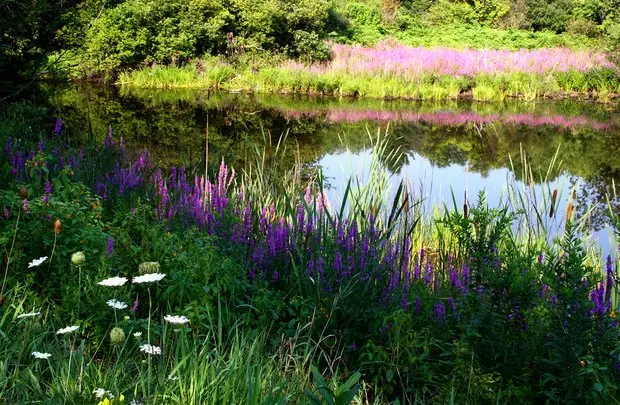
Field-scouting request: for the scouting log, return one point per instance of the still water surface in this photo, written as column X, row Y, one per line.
column 453, row 148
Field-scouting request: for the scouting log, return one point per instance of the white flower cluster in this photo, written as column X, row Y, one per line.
column 100, row 393
column 113, row 282
column 40, row 355
column 148, row 278
column 37, row 262
column 66, row 330
column 28, row 315
column 116, row 304
column 150, row 349
column 176, row 319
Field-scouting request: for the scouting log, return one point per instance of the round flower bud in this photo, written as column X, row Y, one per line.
column 117, row 336
column 148, row 268
column 78, row 258
column 23, row 193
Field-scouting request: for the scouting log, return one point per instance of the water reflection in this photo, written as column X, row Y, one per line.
column 437, row 140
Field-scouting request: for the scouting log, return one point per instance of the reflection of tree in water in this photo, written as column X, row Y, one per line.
column 596, row 193
column 240, row 128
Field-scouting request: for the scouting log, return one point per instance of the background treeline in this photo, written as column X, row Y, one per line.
column 98, row 38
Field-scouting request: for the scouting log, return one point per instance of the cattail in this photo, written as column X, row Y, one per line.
column 569, row 211
column 555, row 196
column 465, row 208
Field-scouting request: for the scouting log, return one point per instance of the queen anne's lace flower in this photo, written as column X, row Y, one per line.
column 148, row 278
column 176, row 319
column 100, row 393
column 39, row 355
column 37, row 262
column 137, row 335
column 68, row 329
column 116, row 304
column 28, row 315
column 113, row 282
column 150, row 349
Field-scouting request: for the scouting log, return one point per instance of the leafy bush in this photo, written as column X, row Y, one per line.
column 136, row 32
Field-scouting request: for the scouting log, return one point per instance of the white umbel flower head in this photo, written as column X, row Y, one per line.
column 116, row 304
column 66, row 330
column 137, row 335
column 78, row 258
column 37, row 262
column 148, row 278
column 42, row 356
column 113, row 282
column 28, row 315
column 100, row 393
column 176, row 319
column 150, row 349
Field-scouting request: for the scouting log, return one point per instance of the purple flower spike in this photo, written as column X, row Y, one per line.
column 110, row 247
column 58, row 127
column 26, row 206
column 440, row 311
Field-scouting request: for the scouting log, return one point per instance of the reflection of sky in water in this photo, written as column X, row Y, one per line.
column 437, row 184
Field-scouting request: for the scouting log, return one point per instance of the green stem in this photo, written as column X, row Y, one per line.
column 8, row 258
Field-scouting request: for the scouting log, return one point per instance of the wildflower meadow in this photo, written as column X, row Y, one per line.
column 127, row 282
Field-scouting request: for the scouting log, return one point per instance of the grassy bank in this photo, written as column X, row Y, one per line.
column 400, row 72
column 155, row 285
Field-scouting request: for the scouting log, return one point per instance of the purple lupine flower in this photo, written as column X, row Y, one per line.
column 597, row 297
column 319, row 267
column 25, row 206
column 440, row 311
column 609, row 280
column 7, row 213
column 276, row 276
column 135, row 306
column 544, row 289
column 403, row 301
column 337, row 264
column 58, row 127
column 47, row 190
column 451, row 303
column 465, row 277
column 428, row 274
column 540, row 258
column 108, row 139
column 110, row 247
column 416, row 272
column 310, row 267
column 480, row 289
column 300, row 218
column 554, row 300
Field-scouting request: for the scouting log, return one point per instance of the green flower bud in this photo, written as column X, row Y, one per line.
column 117, row 336
column 148, row 268
column 78, row 258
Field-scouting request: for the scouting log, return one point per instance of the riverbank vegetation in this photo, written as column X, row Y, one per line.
column 256, row 43
column 175, row 284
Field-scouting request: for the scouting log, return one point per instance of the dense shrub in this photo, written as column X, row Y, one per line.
column 138, row 32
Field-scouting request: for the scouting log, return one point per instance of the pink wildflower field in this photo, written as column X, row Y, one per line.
column 401, row 60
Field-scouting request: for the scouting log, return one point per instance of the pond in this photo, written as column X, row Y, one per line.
column 447, row 150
